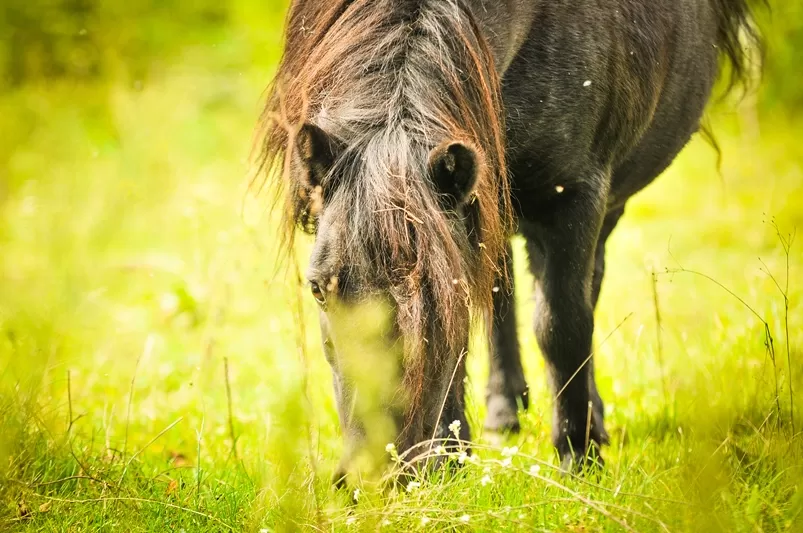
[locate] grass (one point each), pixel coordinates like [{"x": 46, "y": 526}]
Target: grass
[{"x": 139, "y": 305}]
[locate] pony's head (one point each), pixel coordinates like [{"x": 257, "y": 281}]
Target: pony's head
[{"x": 384, "y": 124}]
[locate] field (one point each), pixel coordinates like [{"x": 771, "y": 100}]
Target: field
[{"x": 160, "y": 372}]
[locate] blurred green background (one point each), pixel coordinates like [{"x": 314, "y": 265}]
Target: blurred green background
[{"x": 132, "y": 263}]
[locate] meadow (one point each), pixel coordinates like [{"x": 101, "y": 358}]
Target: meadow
[{"x": 159, "y": 371}]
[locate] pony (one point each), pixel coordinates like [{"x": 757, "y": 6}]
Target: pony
[{"x": 414, "y": 138}]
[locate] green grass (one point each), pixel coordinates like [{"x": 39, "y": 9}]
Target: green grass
[{"x": 131, "y": 267}]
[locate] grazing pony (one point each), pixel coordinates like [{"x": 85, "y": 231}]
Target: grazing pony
[{"x": 413, "y": 138}]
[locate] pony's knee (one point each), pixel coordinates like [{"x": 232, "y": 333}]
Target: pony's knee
[{"x": 564, "y": 330}]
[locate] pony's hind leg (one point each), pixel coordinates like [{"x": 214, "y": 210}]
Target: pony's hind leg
[
  {"x": 506, "y": 383},
  {"x": 561, "y": 250}
]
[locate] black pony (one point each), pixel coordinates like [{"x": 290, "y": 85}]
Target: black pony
[{"x": 414, "y": 137}]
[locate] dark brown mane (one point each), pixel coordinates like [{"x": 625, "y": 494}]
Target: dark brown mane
[{"x": 391, "y": 80}]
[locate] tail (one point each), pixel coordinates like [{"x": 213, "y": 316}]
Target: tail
[
  {"x": 741, "y": 50},
  {"x": 739, "y": 40}
]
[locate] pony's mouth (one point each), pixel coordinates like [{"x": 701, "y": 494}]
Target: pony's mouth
[
  {"x": 371, "y": 365},
  {"x": 366, "y": 357}
]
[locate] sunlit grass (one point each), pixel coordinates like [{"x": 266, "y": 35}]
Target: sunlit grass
[{"x": 131, "y": 268}]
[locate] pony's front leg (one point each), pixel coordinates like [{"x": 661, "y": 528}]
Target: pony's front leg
[
  {"x": 562, "y": 250},
  {"x": 452, "y": 430},
  {"x": 506, "y": 383}
]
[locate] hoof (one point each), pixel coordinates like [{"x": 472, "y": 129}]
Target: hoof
[
  {"x": 502, "y": 414},
  {"x": 339, "y": 480}
]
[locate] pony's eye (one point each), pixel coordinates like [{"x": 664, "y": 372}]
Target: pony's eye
[{"x": 317, "y": 293}]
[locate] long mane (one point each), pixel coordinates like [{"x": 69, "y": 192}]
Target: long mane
[{"x": 391, "y": 79}]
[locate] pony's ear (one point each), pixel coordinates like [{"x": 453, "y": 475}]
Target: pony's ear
[
  {"x": 453, "y": 170},
  {"x": 318, "y": 152}
]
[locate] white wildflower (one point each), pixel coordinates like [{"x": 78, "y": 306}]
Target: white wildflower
[
  {"x": 485, "y": 480},
  {"x": 411, "y": 486},
  {"x": 510, "y": 452},
  {"x": 465, "y": 518},
  {"x": 390, "y": 447},
  {"x": 506, "y": 462},
  {"x": 424, "y": 520},
  {"x": 356, "y": 494},
  {"x": 462, "y": 458},
  {"x": 454, "y": 427},
  {"x": 534, "y": 469},
  {"x": 440, "y": 450}
]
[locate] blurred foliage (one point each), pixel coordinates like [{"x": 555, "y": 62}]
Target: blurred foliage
[
  {"x": 85, "y": 53},
  {"x": 783, "y": 32},
  {"x": 85, "y": 39}
]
